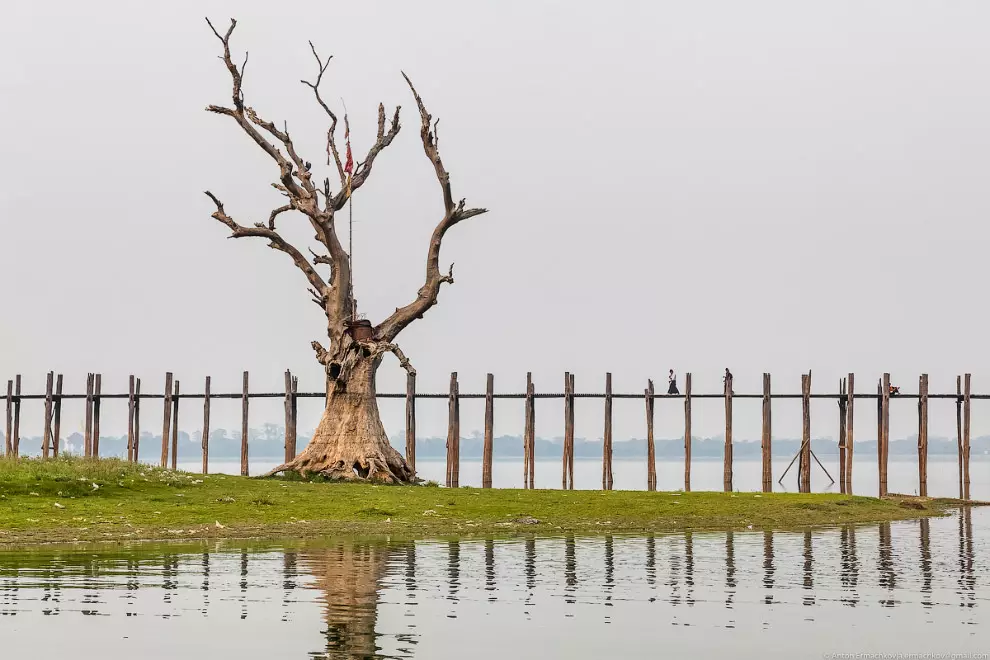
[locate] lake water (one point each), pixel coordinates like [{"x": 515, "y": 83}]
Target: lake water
[
  {"x": 907, "y": 587},
  {"x": 943, "y": 475}
]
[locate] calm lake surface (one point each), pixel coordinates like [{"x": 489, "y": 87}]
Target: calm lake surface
[{"x": 908, "y": 587}]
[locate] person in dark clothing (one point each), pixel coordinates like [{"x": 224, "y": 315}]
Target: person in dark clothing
[{"x": 672, "y": 383}]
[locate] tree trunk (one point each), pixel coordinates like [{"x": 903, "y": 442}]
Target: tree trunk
[{"x": 350, "y": 443}]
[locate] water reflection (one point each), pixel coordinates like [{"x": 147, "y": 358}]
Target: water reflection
[{"x": 378, "y": 599}]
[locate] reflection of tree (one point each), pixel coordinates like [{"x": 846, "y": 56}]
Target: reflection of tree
[{"x": 348, "y": 574}]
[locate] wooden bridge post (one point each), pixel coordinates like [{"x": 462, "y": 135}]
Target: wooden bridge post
[
  {"x": 727, "y": 453},
  {"x": 453, "y": 433},
  {"x": 49, "y": 385},
  {"x": 411, "y": 421},
  {"x": 88, "y": 431},
  {"x": 651, "y": 455},
  {"x": 97, "y": 404},
  {"x": 687, "y": 433},
  {"x": 923, "y": 435},
  {"x": 17, "y": 416},
  {"x": 570, "y": 453},
  {"x": 130, "y": 418},
  {"x": 488, "y": 451},
  {"x": 885, "y": 433},
  {"x": 9, "y": 429},
  {"x": 607, "y": 437},
  {"x": 850, "y": 398},
  {"x": 526, "y": 425},
  {"x": 175, "y": 426},
  {"x": 959, "y": 442},
  {"x": 567, "y": 429},
  {"x": 287, "y": 407},
  {"x": 205, "y": 440},
  {"x": 137, "y": 418},
  {"x": 804, "y": 471},
  {"x": 244, "y": 425},
  {"x": 966, "y": 428},
  {"x": 531, "y": 398},
  {"x": 57, "y": 415},
  {"x": 166, "y": 418},
  {"x": 842, "y": 436},
  {"x": 765, "y": 439}
]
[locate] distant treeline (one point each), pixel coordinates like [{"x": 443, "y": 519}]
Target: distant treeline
[{"x": 268, "y": 442}]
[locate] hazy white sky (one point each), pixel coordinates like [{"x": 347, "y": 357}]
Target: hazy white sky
[{"x": 769, "y": 185}]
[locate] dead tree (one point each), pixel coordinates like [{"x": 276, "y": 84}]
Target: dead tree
[{"x": 350, "y": 441}]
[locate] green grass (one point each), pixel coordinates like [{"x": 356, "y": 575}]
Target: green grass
[{"x": 71, "y": 499}]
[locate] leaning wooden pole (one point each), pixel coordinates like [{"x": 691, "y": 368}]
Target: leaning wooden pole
[
  {"x": 923, "y": 436},
  {"x": 9, "y": 429},
  {"x": 57, "y": 415},
  {"x": 727, "y": 452},
  {"x": 46, "y": 436},
  {"x": 850, "y": 444},
  {"x": 687, "y": 433},
  {"x": 453, "y": 433},
  {"x": 130, "y": 418},
  {"x": 966, "y": 427},
  {"x": 959, "y": 437},
  {"x": 766, "y": 452},
  {"x": 88, "y": 431},
  {"x": 175, "y": 427},
  {"x": 244, "y": 425},
  {"x": 487, "y": 453},
  {"x": 97, "y": 404},
  {"x": 205, "y": 438},
  {"x": 651, "y": 454},
  {"x": 137, "y": 419},
  {"x": 411, "y": 421},
  {"x": 607, "y": 438},
  {"x": 166, "y": 418}
]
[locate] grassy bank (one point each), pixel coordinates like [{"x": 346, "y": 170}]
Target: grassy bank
[{"x": 108, "y": 500}]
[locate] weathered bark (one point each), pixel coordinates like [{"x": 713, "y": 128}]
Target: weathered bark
[{"x": 350, "y": 442}]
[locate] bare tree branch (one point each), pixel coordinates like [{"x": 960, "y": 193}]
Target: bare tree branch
[
  {"x": 281, "y": 209},
  {"x": 275, "y": 241},
  {"x": 363, "y": 169},
  {"x": 246, "y": 116},
  {"x": 453, "y": 213},
  {"x": 331, "y": 143}
]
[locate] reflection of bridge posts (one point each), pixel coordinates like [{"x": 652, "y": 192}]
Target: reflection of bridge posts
[
  {"x": 570, "y": 569},
  {"x": 651, "y": 560},
  {"x": 490, "y": 568},
  {"x": 809, "y": 578},
  {"x": 730, "y": 569},
  {"x": 926, "y": 563},
  {"x": 967, "y": 580},
  {"x": 768, "y": 568},
  {"x": 609, "y": 569},
  {"x": 885, "y": 565},
  {"x": 689, "y": 567},
  {"x": 244, "y": 583},
  {"x": 849, "y": 573}
]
